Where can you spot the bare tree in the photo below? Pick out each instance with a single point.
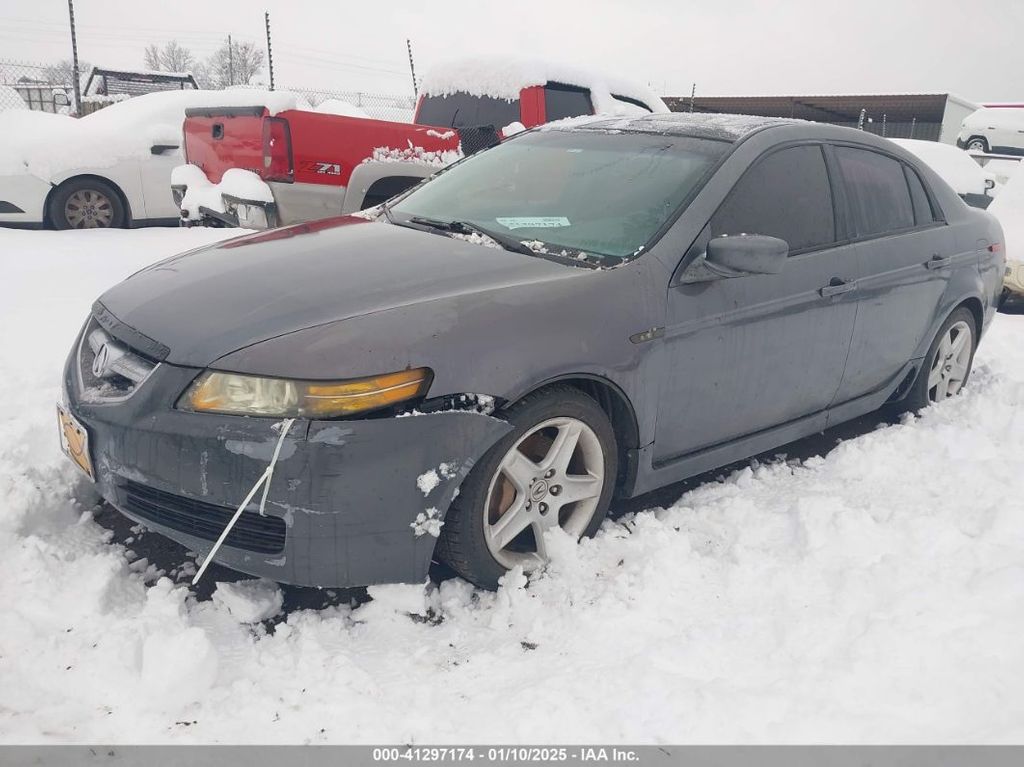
(236, 64)
(173, 57)
(61, 73)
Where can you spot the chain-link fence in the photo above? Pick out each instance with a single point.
(42, 87)
(48, 88)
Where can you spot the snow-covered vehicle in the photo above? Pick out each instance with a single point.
(111, 168)
(252, 168)
(975, 185)
(999, 130)
(1009, 209)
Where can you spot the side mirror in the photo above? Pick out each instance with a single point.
(737, 256)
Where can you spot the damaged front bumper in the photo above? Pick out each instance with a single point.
(233, 212)
(342, 506)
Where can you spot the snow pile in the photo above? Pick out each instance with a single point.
(415, 154)
(250, 601)
(340, 108)
(953, 165)
(10, 99)
(875, 595)
(236, 182)
(127, 130)
(503, 77)
(1008, 207)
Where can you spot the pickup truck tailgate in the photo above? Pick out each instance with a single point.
(220, 138)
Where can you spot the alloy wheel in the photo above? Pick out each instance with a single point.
(952, 362)
(88, 209)
(552, 477)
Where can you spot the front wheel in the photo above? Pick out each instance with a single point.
(86, 203)
(947, 366)
(557, 468)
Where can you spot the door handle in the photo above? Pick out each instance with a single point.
(938, 262)
(837, 287)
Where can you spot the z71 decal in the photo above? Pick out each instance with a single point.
(322, 168)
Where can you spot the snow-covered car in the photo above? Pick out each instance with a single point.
(1009, 209)
(975, 185)
(111, 168)
(999, 130)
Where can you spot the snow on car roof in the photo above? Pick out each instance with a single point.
(503, 77)
(726, 127)
(951, 163)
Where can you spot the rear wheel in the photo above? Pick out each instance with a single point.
(947, 366)
(86, 203)
(557, 468)
(977, 144)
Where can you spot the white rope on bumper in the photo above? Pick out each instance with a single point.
(264, 482)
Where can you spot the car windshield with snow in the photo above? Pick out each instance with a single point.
(340, 402)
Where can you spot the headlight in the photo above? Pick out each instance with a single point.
(235, 394)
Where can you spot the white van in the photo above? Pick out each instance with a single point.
(999, 130)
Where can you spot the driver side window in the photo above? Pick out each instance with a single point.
(785, 195)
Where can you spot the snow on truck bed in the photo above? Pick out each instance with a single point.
(872, 595)
(503, 77)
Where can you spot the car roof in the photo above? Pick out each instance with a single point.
(722, 127)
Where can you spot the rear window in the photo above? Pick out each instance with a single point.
(462, 110)
(878, 192)
(923, 213)
(561, 101)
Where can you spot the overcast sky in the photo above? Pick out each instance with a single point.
(737, 47)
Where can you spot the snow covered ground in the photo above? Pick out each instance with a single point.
(872, 595)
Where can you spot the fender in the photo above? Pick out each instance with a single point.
(366, 174)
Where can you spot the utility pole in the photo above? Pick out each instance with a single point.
(270, 51)
(693, 94)
(860, 120)
(75, 74)
(412, 67)
(913, 124)
(231, 62)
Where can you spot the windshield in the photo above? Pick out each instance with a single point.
(568, 193)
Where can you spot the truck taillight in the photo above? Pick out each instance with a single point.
(277, 150)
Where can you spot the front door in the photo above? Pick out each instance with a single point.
(749, 353)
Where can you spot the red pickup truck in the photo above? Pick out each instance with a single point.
(304, 165)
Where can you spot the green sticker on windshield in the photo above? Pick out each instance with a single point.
(533, 222)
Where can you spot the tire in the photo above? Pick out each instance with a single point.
(977, 144)
(523, 474)
(86, 203)
(921, 394)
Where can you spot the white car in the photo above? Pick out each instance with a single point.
(975, 185)
(111, 168)
(996, 130)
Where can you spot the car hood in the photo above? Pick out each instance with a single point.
(209, 302)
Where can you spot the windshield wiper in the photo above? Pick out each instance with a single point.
(467, 227)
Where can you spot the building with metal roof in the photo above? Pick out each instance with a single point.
(929, 116)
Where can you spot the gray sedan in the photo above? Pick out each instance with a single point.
(596, 308)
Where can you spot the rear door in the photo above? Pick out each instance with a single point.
(905, 256)
(749, 353)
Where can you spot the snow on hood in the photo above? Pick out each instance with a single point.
(50, 146)
(503, 77)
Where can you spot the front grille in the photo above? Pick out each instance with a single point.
(120, 373)
(252, 531)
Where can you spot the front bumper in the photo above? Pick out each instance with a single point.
(346, 491)
(22, 200)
